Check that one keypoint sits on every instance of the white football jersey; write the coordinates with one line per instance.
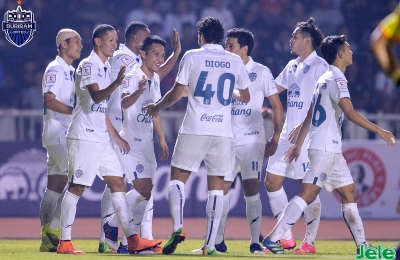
(122, 57)
(89, 118)
(137, 127)
(211, 74)
(327, 119)
(299, 78)
(247, 121)
(58, 79)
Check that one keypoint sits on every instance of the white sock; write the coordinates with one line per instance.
(354, 222)
(48, 206)
(106, 210)
(312, 216)
(138, 214)
(289, 217)
(213, 213)
(123, 212)
(221, 228)
(55, 221)
(176, 200)
(278, 201)
(146, 228)
(134, 198)
(68, 210)
(254, 215)
(124, 241)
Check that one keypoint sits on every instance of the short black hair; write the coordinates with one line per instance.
(308, 28)
(330, 47)
(145, 45)
(211, 28)
(100, 31)
(133, 28)
(244, 37)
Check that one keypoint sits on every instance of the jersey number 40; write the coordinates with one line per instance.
(208, 93)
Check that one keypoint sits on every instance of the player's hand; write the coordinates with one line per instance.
(388, 137)
(164, 152)
(292, 153)
(123, 145)
(142, 85)
(271, 147)
(176, 42)
(294, 134)
(120, 76)
(151, 110)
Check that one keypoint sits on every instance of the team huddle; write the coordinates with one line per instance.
(99, 120)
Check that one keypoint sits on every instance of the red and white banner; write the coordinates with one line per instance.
(375, 168)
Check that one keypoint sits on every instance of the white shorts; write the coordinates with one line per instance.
(191, 150)
(86, 159)
(247, 158)
(294, 170)
(57, 159)
(138, 163)
(327, 169)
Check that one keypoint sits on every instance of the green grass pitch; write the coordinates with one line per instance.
(237, 249)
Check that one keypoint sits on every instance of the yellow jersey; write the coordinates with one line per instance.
(390, 26)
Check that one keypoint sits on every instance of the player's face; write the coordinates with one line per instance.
(232, 45)
(347, 54)
(74, 48)
(297, 42)
(108, 43)
(154, 57)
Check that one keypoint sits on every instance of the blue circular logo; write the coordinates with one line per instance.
(139, 168)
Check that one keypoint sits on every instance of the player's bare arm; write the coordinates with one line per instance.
(172, 96)
(294, 151)
(127, 100)
(242, 95)
(347, 107)
(50, 102)
(123, 145)
(98, 95)
(170, 62)
(164, 152)
(382, 48)
(280, 88)
(277, 116)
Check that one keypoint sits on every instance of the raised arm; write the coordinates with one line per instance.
(170, 62)
(98, 95)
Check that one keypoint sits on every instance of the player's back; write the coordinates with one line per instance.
(211, 74)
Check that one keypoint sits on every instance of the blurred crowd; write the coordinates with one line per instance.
(271, 21)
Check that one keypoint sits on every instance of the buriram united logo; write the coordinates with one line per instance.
(19, 25)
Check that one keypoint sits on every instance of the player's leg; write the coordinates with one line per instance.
(146, 226)
(277, 169)
(107, 211)
(250, 157)
(112, 173)
(185, 159)
(228, 180)
(218, 165)
(342, 182)
(57, 171)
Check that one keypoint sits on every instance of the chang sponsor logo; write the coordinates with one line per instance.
(215, 118)
(240, 112)
(99, 108)
(142, 118)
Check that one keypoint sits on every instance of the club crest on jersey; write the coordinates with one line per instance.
(139, 168)
(19, 25)
(322, 176)
(306, 69)
(252, 76)
(294, 90)
(78, 173)
(125, 84)
(156, 85)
